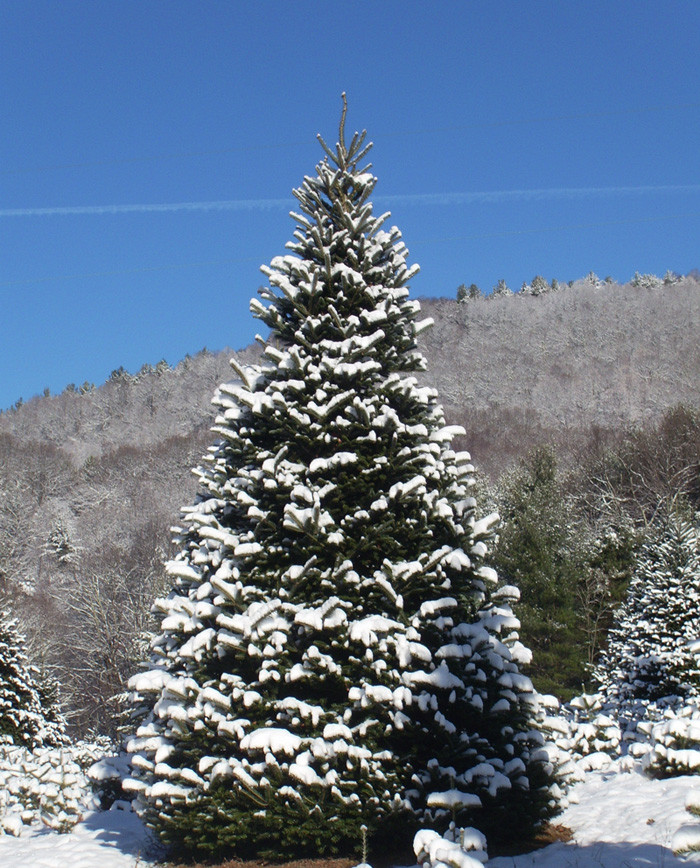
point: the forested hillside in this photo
(594, 353)
(92, 479)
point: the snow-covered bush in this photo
(556, 728)
(673, 746)
(591, 729)
(50, 785)
(334, 651)
(458, 848)
(29, 711)
(687, 838)
(106, 776)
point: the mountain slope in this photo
(602, 355)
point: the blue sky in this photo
(511, 139)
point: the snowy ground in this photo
(111, 839)
(622, 820)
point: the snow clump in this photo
(458, 848)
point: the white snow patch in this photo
(453, 799)
(687, 839)
(272, 739)
(109, 839)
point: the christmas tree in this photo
(29, 712)
(335, 653)
(650, 657)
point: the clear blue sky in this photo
(581, 119)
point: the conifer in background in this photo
(652, 647)
(29, 713)
(334, 652)
(540, 550)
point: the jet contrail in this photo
(223, 205)
(484, 196)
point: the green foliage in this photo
(467, 294)
(570, 567)
(538, 286)
(603, 582)
(540, 551)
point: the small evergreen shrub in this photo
(687, 838)
(592, 730)
(47, 784)
(457, 848)
(673, 743)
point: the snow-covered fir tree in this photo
(29, 712)
(651, 654)
(539, 286)
(501, 290)
(335, 652)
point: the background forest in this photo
(581, 412)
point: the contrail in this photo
(223, 205)
(475, 197)
(487, 196)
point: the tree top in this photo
(345, 158)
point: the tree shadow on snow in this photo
(124, 831)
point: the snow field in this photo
(621, 820)
(109, 839)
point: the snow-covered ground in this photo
(108, 839)
(622, 820)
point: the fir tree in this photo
(539, 286)
(29, 711)
(334, 652)
(540, 551)
(650, 655)
(501, 289)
